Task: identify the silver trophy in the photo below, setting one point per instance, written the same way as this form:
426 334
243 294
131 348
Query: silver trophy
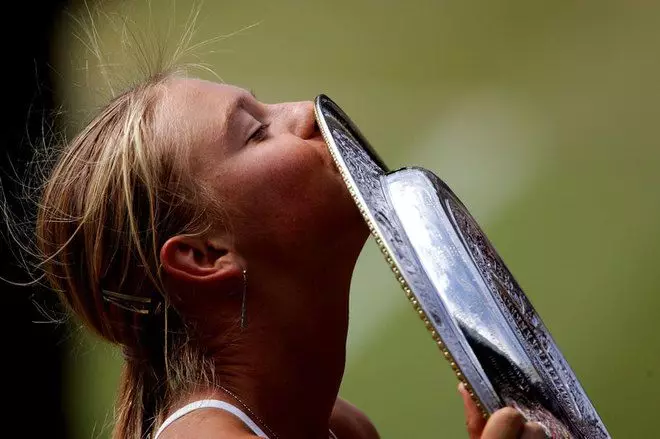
475 310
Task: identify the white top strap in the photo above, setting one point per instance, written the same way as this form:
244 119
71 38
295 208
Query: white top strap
212 403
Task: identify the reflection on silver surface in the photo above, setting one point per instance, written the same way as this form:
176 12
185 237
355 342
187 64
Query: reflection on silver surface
471 303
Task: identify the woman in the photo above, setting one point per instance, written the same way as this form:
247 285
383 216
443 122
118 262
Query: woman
210 236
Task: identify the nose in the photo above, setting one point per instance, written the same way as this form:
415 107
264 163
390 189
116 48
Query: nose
296 118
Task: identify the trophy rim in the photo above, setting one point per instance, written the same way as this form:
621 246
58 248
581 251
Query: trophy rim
382 242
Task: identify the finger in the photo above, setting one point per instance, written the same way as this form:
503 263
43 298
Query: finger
474 420
533 431
506 423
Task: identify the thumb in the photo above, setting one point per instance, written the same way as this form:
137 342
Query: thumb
506 423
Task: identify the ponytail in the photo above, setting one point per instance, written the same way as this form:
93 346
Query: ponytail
136 407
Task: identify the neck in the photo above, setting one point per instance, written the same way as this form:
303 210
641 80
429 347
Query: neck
288 363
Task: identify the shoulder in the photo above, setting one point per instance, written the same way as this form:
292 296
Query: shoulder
206 423
349 422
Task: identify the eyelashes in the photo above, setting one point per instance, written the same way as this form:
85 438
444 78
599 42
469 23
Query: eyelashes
260 134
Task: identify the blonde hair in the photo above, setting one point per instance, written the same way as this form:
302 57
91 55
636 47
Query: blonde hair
114 195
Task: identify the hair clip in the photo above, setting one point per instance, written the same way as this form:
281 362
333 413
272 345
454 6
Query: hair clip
140 305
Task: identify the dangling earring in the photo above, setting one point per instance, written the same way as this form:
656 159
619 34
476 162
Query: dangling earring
244 302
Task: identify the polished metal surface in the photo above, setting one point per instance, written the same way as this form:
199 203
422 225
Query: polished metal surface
475 310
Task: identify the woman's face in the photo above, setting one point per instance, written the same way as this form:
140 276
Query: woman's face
268 167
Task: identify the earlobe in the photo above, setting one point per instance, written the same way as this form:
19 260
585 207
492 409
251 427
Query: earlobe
196 260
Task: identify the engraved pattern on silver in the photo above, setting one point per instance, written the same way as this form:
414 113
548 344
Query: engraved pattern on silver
465 292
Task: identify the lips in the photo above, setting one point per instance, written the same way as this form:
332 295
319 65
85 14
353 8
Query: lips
317 135
318 142
317 130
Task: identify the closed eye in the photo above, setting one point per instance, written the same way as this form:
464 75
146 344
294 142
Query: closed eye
260 134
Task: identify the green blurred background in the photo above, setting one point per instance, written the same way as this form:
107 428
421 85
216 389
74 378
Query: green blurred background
542 116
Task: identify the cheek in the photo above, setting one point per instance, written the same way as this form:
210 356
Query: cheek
283 187
293 172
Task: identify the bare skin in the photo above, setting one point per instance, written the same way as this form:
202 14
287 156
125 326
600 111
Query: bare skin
292 226
346 422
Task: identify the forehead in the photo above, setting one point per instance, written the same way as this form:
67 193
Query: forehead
196 112
194 98
186 88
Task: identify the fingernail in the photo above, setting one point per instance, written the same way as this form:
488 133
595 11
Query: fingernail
522 413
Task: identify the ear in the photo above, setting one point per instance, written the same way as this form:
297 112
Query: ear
198 260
